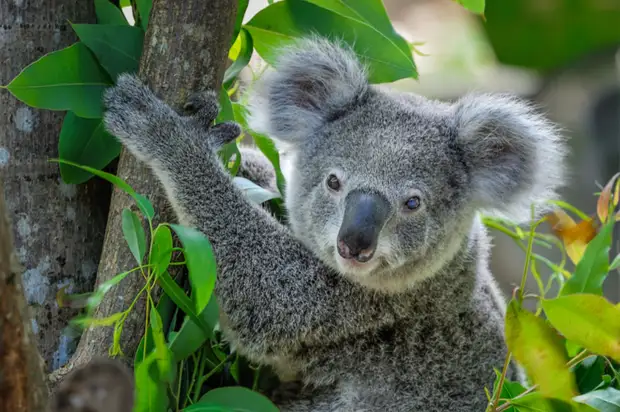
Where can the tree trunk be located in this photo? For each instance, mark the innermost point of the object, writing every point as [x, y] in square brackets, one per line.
[58, 227]
[185, 50]
[23, 387]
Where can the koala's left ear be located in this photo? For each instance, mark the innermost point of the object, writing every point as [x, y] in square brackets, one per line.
[515, 157]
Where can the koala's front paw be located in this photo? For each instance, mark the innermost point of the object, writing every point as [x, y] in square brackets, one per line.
[203, 108]
[137, 117]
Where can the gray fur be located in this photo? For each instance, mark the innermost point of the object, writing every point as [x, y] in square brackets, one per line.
[420, 326]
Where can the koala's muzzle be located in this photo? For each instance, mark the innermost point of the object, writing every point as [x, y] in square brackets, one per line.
[364, 216]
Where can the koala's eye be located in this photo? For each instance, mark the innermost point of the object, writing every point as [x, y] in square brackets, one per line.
[413, 203]
[333, 183]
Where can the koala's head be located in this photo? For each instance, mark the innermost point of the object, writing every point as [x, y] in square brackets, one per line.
[385, 186]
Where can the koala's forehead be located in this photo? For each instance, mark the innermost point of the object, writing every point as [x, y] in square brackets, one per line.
[391, 135]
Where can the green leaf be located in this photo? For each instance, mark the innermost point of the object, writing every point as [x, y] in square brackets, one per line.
[151, 392]
[143, 203]
[166, 309]
[118, 48]
[615, 264]
[604, 400]
[134, 234]
[200, 264]
[174, 291]
[67, 79]
[284, 21]
[206, 407]
[108, 13]
[144, 10]
[161, 255]
[192, 337]
[475, 6]
[593, 268]
[242, 6]
[540, 351]
[589, 373]
[238, 399]
[253, 191]
[164, 356]
[509, 390]
[535, 402]
[245, 53]
[588, 320]
[86, 142]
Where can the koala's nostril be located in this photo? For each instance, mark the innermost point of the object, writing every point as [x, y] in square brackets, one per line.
[360, 251]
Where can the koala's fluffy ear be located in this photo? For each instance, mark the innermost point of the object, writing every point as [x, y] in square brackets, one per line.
[514, 155]
[314, 81]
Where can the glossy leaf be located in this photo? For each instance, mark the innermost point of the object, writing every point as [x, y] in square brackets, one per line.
[593, 268]
[238, 399]
[242, 60]
[284, 21]
[539, 349]
[200, 263]
[254, 192]
[143, 203]
[118, 48]
[604, 400]
[475, 6]
[144, 10]
[67, 79]
[86, 142]
[161, 255]
[108, 13]
[588, 320]
[134, 234]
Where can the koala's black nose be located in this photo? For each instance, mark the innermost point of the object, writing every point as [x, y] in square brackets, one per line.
[364, 216]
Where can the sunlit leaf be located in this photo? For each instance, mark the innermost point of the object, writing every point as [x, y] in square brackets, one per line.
[539, 349]
[475, 6]
[575, 236]
[108, 13]
[85, 142]
[593, 268]
[242, 6]
[67, 79]
[118, 48]
[143, 203]
[284, 21]
[134, 234]
[589, 320]
[242, 59]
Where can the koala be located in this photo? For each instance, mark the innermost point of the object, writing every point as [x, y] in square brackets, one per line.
[377, 294]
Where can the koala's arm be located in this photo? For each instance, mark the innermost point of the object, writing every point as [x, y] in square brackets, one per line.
[274, 292]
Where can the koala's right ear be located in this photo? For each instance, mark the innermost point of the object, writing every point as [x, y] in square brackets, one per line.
[314, 81]
[102, 385]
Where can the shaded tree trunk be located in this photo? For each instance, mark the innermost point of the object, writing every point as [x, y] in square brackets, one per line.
[22, 387]
[58, 228]
[185, 50]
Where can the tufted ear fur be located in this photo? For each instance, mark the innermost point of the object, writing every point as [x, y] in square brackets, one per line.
[514, 155]
[314, 81]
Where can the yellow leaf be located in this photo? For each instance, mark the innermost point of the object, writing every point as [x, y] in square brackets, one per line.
[604, 202]
[574, 236]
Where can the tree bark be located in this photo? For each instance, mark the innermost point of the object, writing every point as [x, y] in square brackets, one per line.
[23, 386]
[185, 50]
[58, 228]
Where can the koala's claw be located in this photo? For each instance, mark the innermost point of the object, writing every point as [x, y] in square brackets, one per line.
[203, 107]
[223, 133]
